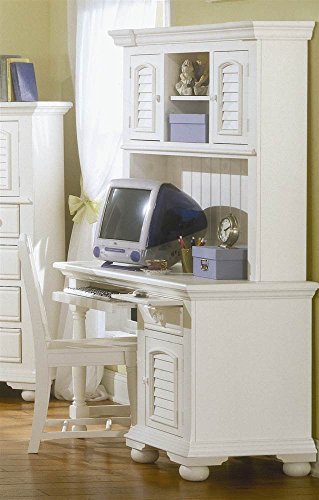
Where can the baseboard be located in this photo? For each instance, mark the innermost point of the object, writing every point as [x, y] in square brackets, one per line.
[315, 465]
[115, 384]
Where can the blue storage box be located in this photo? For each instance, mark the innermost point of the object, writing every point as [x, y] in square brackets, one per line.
[188, 127]
[220, 263]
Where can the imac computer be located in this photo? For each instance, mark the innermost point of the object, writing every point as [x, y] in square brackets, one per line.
[143, 220]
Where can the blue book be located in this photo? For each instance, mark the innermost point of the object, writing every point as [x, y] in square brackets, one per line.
[24, 82]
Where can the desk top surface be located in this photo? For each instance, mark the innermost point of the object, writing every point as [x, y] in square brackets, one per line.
[175, 280]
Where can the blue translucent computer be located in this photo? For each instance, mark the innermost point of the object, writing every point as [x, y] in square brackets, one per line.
[143, 220]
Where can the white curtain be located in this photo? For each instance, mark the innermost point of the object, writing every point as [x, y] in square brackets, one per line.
[98, 69]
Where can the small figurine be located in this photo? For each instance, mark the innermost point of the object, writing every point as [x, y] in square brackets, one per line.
[187, 79]
[201, 77]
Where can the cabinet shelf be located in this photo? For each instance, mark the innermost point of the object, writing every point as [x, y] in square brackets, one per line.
[185, 149]
[189, 97]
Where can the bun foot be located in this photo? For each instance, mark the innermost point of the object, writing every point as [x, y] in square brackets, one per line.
[144, 456]
[297, 469]
[194, 473]
[28, 395]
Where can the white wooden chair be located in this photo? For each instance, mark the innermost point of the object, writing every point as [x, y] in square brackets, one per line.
[74, 353]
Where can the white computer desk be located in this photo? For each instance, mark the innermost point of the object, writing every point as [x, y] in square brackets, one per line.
[224, 368]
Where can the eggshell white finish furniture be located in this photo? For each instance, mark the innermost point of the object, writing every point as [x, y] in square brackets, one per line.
[31, 201]
[237, 364]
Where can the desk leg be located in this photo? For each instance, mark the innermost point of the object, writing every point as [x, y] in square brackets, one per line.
[79, 408]
[131, 370]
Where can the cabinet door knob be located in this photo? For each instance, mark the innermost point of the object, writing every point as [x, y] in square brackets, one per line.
[145, 380]
[158, 98]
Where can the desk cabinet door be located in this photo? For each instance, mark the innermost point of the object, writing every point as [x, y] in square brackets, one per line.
[164, 373]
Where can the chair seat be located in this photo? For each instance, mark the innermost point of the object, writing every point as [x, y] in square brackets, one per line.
[107, 342]
[86, 352]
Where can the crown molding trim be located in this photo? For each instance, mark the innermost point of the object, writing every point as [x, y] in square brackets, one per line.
[35, 107]
[246, 30]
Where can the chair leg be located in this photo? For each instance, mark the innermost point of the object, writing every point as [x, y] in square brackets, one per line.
[42, 397]
[131, 370]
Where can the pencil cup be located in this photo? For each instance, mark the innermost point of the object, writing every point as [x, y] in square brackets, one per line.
[187, 260]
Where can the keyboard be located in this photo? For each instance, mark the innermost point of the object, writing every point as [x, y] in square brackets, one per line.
[90, 292]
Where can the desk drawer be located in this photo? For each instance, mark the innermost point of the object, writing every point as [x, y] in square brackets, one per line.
[9, 262]
[10, 345]
[159, 313]
[9, 221]
[9, 303]
[163, 319]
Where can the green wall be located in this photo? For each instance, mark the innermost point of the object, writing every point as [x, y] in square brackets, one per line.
[186, 12]
[24, 28]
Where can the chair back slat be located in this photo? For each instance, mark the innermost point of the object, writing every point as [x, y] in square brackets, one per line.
[34, 297]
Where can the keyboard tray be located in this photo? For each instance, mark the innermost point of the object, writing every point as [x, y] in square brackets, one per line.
[89, 303]
[147, 301]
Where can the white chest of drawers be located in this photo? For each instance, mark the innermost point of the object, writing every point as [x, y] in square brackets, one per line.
[31, 201]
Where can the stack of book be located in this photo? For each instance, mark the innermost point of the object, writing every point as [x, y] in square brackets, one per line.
[17, 79]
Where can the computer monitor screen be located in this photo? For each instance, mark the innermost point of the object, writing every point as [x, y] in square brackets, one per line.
[124, 214]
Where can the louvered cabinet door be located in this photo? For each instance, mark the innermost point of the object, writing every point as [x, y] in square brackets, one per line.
[230, 97]
[145, 121]
[9, 172]
[164, 385]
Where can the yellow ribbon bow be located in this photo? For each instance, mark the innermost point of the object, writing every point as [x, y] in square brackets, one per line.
[81, 206]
